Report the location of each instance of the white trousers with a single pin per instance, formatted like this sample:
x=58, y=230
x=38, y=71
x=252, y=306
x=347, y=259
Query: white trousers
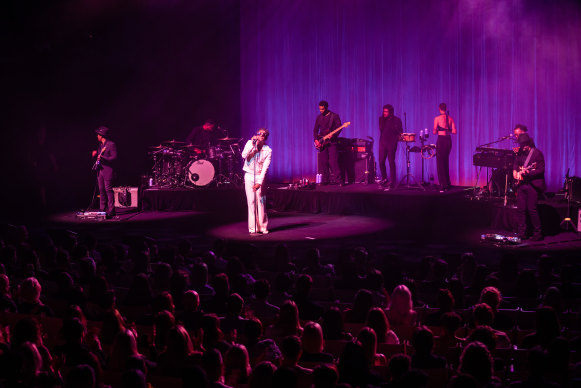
x=260, y=223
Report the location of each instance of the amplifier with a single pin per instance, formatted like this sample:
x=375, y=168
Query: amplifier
x=126, y=196
x=573, y=187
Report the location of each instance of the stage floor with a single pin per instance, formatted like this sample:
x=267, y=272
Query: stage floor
x=332, y=216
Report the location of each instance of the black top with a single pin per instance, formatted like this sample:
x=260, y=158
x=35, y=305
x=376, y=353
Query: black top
x=536, y=176
x=109, y=155
x=390, y=128
x=326, y=123
x=447, y=130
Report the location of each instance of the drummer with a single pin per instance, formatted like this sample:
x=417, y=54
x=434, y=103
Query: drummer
x=205, y=136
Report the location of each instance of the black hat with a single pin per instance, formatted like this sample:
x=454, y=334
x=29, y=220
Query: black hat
x=103, y=131
x=525, y=140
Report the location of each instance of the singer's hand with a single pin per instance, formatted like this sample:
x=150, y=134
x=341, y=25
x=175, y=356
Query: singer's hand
x=256, y=187
x=94, y=154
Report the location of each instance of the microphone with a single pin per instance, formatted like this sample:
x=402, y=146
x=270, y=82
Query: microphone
x=254, y=141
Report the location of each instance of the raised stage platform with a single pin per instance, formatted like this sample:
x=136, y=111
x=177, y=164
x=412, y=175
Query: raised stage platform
x=429, y=213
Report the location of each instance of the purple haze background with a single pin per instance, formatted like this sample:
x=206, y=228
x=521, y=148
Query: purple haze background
x=495, y=64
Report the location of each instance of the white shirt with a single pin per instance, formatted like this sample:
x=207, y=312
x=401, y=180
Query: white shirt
x=261, y=160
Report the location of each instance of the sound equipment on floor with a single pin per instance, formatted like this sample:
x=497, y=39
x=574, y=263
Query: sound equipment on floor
x=126, y=196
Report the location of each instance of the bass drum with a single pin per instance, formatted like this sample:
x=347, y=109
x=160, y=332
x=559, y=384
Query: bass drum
x=200, y=172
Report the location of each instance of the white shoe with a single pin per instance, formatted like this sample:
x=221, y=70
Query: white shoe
x=264, y=232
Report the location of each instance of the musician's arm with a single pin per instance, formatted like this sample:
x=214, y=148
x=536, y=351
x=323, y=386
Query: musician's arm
x=399, y=126
x=539, y=166
x=110, y=153
x=453, y=126
x=336, y=124
x=515, y=168
x=435, y=126
x=316, y=129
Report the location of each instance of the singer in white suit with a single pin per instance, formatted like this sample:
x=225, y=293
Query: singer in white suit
x=257, y=156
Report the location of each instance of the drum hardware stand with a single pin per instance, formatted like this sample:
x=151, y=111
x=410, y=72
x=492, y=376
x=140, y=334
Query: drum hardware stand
x=364, y=178
x=409, y=175
x=423, y=139
x=567, y=222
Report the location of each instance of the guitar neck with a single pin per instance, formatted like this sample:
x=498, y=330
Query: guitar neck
x=328, y=136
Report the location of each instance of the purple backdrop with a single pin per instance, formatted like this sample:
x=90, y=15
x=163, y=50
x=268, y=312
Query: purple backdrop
x=495, y=64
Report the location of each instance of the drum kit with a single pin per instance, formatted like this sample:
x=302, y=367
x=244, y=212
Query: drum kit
x=177, y=164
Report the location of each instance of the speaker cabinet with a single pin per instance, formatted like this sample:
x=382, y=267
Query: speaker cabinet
x=573, y=188
x=126, y=196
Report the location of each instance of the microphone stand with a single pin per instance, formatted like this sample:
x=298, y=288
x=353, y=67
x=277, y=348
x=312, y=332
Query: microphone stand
x=255, y=191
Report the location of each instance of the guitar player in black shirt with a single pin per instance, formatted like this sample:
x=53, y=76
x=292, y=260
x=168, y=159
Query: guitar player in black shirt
x=328, y=157
x=529, y=172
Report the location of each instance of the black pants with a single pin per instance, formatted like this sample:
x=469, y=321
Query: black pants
x=526, y=202
x=443, y=148
x=329, y=164
x=106, y=195
x=387, y=151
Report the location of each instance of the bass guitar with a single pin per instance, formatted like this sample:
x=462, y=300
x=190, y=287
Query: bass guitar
x=322, y=141
x=98, y=161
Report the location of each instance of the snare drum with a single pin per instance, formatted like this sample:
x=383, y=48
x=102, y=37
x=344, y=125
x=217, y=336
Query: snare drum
x=200, y=172
x=408, y=137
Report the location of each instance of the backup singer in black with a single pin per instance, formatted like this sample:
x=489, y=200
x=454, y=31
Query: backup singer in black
x=391, y=129
x=328, y=157
x=529, y=172
x=444, y=126
x=106, y=157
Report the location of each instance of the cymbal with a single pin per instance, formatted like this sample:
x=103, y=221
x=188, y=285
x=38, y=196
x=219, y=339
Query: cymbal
x=157, y=147
x=230, y=139
x=173, y=143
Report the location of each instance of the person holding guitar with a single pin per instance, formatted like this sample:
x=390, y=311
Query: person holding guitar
x=529, y=172
x=391, y=128
x=106, y=156
x=327, y=129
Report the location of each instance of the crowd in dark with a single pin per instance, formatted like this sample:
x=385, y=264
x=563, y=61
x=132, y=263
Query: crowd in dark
x=135, y=312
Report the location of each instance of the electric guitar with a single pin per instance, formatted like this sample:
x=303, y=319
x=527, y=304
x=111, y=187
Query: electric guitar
x=322, y=141
x=524, y=170
x=98, y=161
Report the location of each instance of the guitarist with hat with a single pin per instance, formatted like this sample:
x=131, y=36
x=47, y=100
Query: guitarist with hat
x=105, y=159
x=529, y=172
x=327, y=129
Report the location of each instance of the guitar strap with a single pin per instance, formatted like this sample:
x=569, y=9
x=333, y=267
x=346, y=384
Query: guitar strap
x=528, y=159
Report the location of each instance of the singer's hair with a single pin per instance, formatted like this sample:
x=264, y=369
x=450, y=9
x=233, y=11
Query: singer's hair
x=521, y=127
x=210, y=121
x=389, y=107
x=324, y=103
x=443, y=106
x=266, y=132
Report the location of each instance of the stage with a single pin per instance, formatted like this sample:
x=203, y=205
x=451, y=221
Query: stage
x=425, y=216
